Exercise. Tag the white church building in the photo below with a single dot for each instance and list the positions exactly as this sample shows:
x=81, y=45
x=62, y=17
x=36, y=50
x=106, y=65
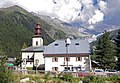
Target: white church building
x=33, y=55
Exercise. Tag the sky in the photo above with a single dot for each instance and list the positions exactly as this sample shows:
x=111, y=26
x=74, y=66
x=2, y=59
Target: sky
x=69, y=10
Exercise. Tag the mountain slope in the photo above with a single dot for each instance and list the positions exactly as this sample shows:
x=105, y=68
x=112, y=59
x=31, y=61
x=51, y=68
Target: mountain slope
x=17, y=26
x=63, y=26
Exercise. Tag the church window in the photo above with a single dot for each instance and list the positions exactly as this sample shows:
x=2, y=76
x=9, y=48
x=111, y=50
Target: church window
x=30, y=62
x=28, y=57
x=36, y=42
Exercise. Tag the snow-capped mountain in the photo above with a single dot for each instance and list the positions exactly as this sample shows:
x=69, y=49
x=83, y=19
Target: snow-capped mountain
x=90, y=11
x=94, y=15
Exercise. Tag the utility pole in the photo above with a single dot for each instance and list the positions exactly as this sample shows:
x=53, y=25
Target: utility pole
x=68, y=41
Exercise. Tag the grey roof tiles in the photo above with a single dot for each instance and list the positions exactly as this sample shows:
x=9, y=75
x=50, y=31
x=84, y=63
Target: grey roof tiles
x=34, y=49
x=76, y=47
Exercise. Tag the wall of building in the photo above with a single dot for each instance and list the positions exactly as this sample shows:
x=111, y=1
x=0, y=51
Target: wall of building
x=37, y=39
x=60, y=64
x=25, y=55
x=37, y=55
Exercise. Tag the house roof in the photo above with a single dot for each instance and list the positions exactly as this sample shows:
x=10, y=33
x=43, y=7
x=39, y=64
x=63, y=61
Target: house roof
x=34, y=49
x=76, y=47
x=10, y=60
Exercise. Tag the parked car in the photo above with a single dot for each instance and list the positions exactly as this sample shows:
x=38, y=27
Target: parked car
x=67, y=70
x=98, y=70
x=83, y=73
x=113, y=71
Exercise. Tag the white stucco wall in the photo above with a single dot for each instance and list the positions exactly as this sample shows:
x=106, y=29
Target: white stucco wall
x=29, y=64
x=49, y=64
x=25, y=55
x=37, y=55
x=37, y=39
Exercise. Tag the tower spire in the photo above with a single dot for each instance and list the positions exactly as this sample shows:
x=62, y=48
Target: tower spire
x=37, y=28
x=37, y=39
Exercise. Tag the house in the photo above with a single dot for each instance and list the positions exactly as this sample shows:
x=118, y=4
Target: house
x=61, y=56
x=33, y=55
x=10, y=62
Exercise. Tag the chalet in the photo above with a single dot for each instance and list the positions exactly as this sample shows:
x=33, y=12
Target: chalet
x=61, y=56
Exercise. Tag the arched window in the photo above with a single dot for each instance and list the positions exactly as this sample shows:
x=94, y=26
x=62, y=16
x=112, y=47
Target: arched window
x=28, y=57
x=36, y=42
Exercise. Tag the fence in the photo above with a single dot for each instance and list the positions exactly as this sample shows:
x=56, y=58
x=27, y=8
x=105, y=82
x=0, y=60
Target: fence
x=76, y=74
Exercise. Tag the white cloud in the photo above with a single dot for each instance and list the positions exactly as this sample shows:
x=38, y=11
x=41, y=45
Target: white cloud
x=6, y=3
x=66, y=10
x=98, y=16
x=91, y=27
x=103, y=5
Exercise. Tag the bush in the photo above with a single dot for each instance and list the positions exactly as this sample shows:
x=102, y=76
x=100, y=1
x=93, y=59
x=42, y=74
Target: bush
x=29, y=68
x=68, y=77
x=47, y=77
x=93, y=79
x=115, y=79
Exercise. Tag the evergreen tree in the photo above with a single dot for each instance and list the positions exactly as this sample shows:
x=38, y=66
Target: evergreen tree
x=117, y=42
x=18, y=58
x=105, y=51
x=6, y=75
x=24, y=46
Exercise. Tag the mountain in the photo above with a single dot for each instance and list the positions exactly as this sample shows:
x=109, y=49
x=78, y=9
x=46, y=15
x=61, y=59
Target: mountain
x=17, y=27
x=64, y=26
x=113, y=35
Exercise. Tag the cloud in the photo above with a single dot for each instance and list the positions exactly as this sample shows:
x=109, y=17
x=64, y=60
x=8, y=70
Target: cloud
x=66, y=10
x=6, y=3
x=91, y=27
x=98, y=16
x=103, y=6
x=113, y=5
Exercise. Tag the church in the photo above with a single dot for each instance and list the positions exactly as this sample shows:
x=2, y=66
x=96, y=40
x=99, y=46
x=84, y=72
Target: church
x=33, y=56
x=57, y=56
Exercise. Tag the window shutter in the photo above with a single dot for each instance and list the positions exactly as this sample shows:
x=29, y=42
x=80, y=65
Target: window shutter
x=52, y=59
x=64, y=59
x=76, y=58
x=56, y=68
x=57, y=59
x=53, y=69
x=80, y=58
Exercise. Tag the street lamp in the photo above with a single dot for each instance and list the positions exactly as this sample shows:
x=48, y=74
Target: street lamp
x=68, y=41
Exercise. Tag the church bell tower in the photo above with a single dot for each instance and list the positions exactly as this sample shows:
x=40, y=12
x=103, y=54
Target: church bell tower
x=37, y=39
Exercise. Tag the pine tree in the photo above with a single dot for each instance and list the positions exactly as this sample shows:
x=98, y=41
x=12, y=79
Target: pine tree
x=6, y=75
x=117, y=42
x=24, y=46
x=105, y=52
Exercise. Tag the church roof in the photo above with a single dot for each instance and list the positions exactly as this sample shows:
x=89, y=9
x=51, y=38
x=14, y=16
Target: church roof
x=76, y=46
x=34, y=49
